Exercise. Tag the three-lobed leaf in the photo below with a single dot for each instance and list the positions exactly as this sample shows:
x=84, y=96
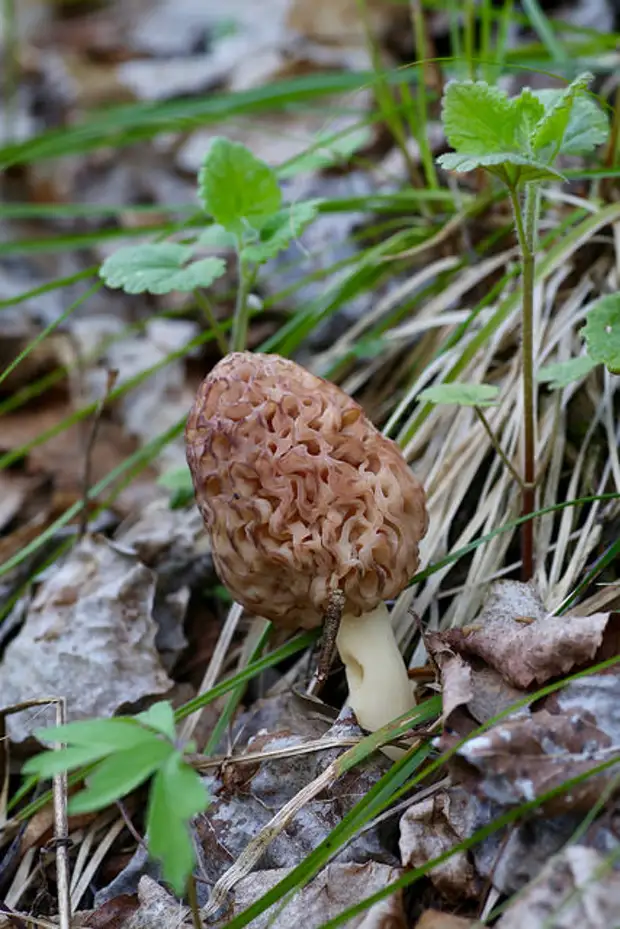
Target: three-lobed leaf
x=461, y=394
x=159, y=268
x=177, y=794
x=119, y=774
x=236, y=188
x=602, y=332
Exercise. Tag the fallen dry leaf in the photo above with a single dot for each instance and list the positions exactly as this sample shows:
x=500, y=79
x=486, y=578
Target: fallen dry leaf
x=576, y=888
x=89, y=636
x=525, y=757
x=427, y=830
x=515, y=636
x=434, y=919
x=334, y=889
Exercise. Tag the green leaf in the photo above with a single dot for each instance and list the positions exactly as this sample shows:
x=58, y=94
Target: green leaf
x=215, y=236
x=602, y=332
x=158, y=269
x=48, y=764
x=523, y=169
x=159, y=717
x=461, y=394
x=279, y=230
x=177, y=794
x=563, y=373
x=111, y=734
x=236, y=188
x=549, y=132
x=119, y=774
x=478, y=119
x=587, y=126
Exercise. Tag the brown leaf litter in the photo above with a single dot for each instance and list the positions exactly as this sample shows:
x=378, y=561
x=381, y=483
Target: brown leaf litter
x=532, y=751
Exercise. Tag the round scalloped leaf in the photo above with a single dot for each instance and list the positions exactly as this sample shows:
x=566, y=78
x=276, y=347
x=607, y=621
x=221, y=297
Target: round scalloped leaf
x=461, y=394
x=602, y=332
x=159, y=269
x=563, y=373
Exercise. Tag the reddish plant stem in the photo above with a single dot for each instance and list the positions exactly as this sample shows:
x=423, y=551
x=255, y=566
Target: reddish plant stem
x=526, y=233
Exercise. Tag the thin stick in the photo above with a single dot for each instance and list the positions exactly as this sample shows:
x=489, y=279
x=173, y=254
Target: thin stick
x=331, y=625
x=61, y=831
x=498, y=448
x=207, y=310
x=90, y=446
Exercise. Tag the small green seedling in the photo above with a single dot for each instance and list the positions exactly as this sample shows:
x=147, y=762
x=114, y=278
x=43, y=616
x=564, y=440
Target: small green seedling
x=518, y=140
x=121, y=754
x=242, y=196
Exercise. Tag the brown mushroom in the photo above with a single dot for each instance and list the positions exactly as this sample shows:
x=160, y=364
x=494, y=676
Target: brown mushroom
x=304, y=499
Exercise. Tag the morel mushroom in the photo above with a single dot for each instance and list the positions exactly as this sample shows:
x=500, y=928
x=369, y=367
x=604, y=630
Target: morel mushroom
x=307, y=504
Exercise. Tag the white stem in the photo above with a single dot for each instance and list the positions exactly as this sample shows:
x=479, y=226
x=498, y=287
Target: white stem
x=379, y=687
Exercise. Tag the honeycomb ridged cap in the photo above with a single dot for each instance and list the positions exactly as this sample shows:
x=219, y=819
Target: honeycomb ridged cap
x=300, y=494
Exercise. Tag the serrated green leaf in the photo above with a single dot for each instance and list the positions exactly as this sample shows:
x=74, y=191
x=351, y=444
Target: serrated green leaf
x=563, y=373
x=119, y=774
x=101, y=733
x=548, y=135
x=159, y=269
x=602, y=332
x=478, y=119
x=587, y=125
x=235, y=187
x=177, y=794
x=529, y=111
x=523, y=169
x=215, y=236
x=279, y=230
x=48, y=764
x=160, y=717
x=461, y=394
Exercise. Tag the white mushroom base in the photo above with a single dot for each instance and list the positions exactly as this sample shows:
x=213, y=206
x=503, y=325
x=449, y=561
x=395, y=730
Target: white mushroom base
x=379, y=687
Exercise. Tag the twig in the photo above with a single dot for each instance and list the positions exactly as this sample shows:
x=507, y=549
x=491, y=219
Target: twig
x=61, y=831
x=90, y=446
x=331, y=625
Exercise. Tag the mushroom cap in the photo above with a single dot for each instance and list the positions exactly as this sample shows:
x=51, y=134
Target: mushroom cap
x=301, y=495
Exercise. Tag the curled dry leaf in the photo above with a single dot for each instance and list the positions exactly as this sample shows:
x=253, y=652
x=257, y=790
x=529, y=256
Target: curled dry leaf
x=334, y=889
x=576, y=888
x=429, y=829
x=527, y=756
x=89, y=636
x=515, y=636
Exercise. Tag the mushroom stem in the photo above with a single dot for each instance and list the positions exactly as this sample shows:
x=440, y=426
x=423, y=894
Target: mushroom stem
x=379, y=687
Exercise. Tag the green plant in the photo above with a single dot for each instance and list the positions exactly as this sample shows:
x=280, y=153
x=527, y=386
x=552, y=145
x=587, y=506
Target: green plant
x=518, y=141
x=242, y=196
x=123, y=753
